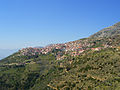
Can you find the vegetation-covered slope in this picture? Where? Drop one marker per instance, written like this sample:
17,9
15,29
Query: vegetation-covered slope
91,70
94,70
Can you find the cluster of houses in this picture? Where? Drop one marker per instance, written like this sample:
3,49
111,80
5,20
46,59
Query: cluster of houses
30,51
72,48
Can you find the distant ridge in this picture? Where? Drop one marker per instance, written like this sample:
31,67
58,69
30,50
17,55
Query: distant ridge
38,47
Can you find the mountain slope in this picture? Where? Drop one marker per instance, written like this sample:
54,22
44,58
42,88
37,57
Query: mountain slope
86,64
95,70
108,32
91,70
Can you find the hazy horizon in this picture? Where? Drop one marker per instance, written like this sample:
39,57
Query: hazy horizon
6,52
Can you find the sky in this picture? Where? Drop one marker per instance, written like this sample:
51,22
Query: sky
25,23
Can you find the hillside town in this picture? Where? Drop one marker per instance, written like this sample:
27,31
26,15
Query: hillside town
73,48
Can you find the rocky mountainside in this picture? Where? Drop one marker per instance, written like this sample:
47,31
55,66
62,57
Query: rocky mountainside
87,64
108,32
